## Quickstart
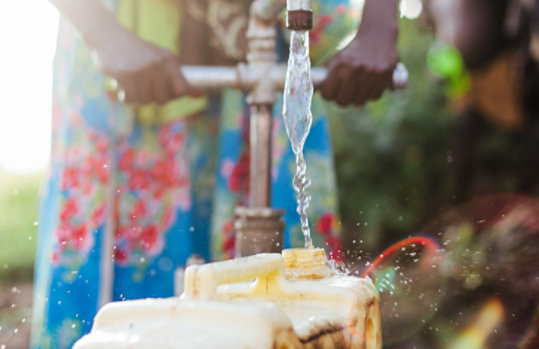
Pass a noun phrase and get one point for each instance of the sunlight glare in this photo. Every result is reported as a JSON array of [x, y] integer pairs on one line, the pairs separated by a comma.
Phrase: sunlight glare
[[411, 9], [28, 33]]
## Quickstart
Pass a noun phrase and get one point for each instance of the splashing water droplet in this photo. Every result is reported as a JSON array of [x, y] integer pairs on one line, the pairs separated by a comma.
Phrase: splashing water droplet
[[408, 286]]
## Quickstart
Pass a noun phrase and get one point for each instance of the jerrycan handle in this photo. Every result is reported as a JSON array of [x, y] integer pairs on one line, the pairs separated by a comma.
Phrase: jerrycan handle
[[201, 281]]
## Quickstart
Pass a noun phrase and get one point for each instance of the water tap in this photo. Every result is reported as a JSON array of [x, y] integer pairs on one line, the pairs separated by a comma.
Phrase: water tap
[[299, 15]]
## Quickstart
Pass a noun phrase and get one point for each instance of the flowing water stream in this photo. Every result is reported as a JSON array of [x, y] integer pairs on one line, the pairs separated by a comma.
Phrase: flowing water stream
[[298, 93]]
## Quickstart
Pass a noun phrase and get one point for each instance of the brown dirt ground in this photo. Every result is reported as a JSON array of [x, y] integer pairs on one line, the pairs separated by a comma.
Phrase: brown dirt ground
[[15, 314]]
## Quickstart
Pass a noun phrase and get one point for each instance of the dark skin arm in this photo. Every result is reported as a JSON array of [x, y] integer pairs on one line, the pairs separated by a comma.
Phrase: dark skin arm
[[145, 73], [364, 69]]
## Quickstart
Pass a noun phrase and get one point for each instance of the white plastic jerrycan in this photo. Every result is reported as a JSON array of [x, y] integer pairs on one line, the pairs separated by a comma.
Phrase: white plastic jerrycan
[[268, 301]]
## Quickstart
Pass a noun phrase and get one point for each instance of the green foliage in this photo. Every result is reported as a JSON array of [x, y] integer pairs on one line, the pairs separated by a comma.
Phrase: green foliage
[[392, 157], [18, 214], [446, 62]]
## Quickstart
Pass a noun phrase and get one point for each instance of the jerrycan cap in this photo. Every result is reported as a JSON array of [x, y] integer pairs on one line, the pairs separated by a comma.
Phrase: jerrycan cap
[[305, 263]]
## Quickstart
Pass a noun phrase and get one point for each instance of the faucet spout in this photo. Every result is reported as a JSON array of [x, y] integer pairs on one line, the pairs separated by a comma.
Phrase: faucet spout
[[299, 15]]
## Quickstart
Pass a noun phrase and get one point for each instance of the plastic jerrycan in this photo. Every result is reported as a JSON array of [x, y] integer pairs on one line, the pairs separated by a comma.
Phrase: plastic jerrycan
[[269, 301]]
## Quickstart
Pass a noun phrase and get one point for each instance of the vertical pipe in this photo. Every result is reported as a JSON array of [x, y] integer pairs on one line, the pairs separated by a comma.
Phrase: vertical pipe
[[106, 276], [260, 156]]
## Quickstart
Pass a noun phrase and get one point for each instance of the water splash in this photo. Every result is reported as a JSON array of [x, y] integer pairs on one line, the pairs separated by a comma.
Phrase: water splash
[[298, 93], [408, 277], [431, 245]]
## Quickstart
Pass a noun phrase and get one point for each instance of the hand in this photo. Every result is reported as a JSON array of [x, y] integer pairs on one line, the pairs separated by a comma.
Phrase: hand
[[145, 73], [364, 69], [361, 71]]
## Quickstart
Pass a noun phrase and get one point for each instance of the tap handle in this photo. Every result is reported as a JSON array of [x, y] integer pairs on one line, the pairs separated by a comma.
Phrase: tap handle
[[400, 76]]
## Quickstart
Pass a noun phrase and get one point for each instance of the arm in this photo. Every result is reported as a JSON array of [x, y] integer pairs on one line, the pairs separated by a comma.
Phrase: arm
[[90, 17], [364, 69], [145, 73]]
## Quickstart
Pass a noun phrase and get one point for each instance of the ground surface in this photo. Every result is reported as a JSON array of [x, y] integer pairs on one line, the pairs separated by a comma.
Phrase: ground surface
[[18, 228], [15, 315]]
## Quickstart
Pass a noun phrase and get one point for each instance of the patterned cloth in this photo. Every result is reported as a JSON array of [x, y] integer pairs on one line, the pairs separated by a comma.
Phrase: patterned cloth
[[160, 191]]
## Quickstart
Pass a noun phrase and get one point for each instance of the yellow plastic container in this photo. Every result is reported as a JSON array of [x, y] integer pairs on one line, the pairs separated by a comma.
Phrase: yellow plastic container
[[263, 301]]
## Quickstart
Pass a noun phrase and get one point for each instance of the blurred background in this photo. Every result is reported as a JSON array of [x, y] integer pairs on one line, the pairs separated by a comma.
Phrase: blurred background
[[413, 163], [28, 34]]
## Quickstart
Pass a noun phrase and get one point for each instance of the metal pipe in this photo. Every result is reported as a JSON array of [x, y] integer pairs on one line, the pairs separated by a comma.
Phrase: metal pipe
[[258, 229], [260, 156], [218, 78], [293, 5], [299, 15], [244, 77]]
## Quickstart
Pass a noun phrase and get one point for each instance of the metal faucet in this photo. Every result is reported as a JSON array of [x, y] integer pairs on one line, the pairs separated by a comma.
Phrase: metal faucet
[[259, 228]]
